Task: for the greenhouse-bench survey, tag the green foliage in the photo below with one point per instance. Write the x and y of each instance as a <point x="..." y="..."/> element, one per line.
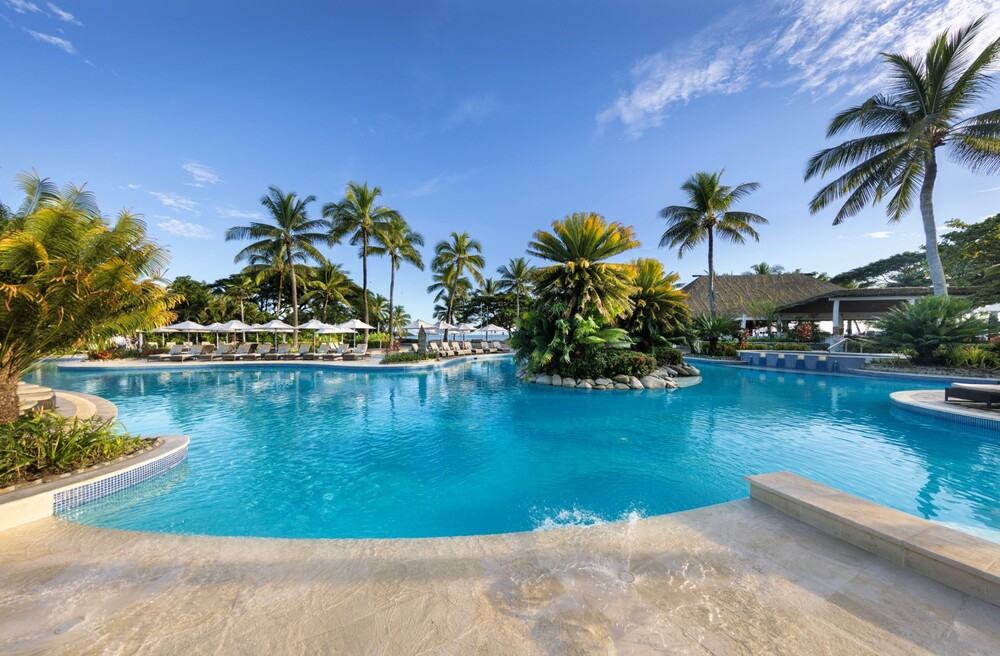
<point x="604" y="363"/>
<point x="47" y="443"/>
<point x="455" y="261"/>
<point x="908" y="269"/>
<point x="397" y="358"/>
<point x="543" y="337"/>
<point x="972" y="357"/>
<point x="381" y="338"/>
<point x="668" y="355"/>
<point x="926" y="326"/>
<point x="714" y="329"/>
<point x="659" y="307"/>
<point x="122" y="353"/>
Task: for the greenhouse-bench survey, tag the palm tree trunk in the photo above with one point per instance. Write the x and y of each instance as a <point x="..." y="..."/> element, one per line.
<point x="10" y="405"/>
<point x="930" y="230"/>
<point x="711" y="271"/>
<point x="392" y="287"/>
<point x="242" y="318"/>
<point x="295" y="305"/>
<point x="364" y="279"/>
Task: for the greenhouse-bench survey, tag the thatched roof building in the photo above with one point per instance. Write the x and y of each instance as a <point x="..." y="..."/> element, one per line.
<point x="744" y="295"/>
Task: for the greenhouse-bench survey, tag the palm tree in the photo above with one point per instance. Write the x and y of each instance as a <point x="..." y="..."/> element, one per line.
<point x="515" y="278"/>
<point x="708" y="215"/>
<point x="293" y="235"/>
<point x="765" y="269"/>
<point x="453" y="259"/>
<point x="242" y="288"/>
<point x="396" y="240"/>
<point x="400" y="317"/>
<point x="379" y="307"/>
<point x="358" y="216"/>
<point x="71" y="276"/>
<point x="487" y="294"/>
<point x="580" y="279"/>
<point x="330" y="285"/>
<point x="922" y="111"/>
<point x="659" y="306"/>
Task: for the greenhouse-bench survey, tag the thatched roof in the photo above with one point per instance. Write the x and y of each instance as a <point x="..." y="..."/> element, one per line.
<point x="736" y="296"/>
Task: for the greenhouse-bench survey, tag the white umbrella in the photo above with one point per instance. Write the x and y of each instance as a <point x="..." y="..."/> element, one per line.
<point x="444" y="325"/>
<point x="186" y="327"/>
<point x="313" y="324"/>
<point x="356" y="324"/>
<point x="464" y="328"/>
<point x="418" y="324"/>
<point x="492" y="328"/>
<point x="276" y="326"/>
<point x="335" y="330"/>
<point x="235" y="326"/>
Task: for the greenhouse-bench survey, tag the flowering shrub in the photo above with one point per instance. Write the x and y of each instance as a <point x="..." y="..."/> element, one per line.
<point x="604" y="363"/>
<point x="122" y="353"/>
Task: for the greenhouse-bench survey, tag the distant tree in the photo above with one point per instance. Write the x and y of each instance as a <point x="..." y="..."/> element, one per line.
<point x="396" y="240"/>
<point x="708" y="214"/>
<point x="515" y="278"/>
<point x="358" y="217"/>
<point x="456" y="259"/>
<point x="291" y="234"/>
<point x="970" y="250"/>
<point x="923" y="110"/>
<point x="197" y="296"/>
<point x="908" y="269"/>
<point x="329" y="287"/>
<point x="400" y="317"/>
<point x="765" y="269"/>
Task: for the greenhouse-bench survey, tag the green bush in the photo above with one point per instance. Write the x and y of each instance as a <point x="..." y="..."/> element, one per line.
<point x="668" y="355"/>
<point x="724" y="350"/>
<point x="928" y="327"/>
<point x="973" y="357"/>
<point x="47" y="443"/>
<point x="604" y="363"/>
<point x="396" y="358"/>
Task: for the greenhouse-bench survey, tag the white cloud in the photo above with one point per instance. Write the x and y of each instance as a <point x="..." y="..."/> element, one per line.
<point x="184" y="229"/>
<point x="201" y="174"/>
<point x="233" y="213"/>
<point x="814" y="46"/>
<point x="985" y="191"/>
<point x="442" y="181"/>
<point x="883" y="234"/>
<point x="132" y="185"/>
<point x="474" y="109"/>
<point x="63" y="15"/>
<point x="23" y="7"/>
<point x="175" y="201"/>
<point x="54" y="40"/>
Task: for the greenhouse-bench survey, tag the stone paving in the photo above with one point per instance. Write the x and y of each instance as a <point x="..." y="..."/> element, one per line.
<point x="737" y="578"/>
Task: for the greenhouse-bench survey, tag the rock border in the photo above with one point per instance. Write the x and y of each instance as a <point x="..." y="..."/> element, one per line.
<point x="664" y="377"/>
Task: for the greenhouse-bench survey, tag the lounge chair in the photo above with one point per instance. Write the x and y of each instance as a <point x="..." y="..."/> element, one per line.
<point x="262" y="351"/>
<point x="334" y="353"/>
<point x="161" y="357"/>
<point x="975" y="392"/>
<point x="434" y="350"/>
<point x="208" y="353"/>
<point x="240" y="353"/>
<point x="454" y="348"/>
<point x="295" y="355"/>
<point x="193" y="353"/>
<point x="477" y="348"/>
<point x="320" y="351"/>
<point x="280" y="354"/>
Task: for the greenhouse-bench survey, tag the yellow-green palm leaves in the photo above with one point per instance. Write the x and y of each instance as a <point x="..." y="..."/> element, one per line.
<point x="659" y="306"/>
<point x="70" y="276"/>
<point x="580" y="280"/>
<point x="902" y="130"/>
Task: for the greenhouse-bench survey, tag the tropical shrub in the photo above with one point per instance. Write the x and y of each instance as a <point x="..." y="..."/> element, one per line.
<point x="545" y="336"/>
<point x="397" y="358"/>
<point x="658" y="306"/>
<point x="714" y="329"/>
<point x="122" y="353"/>
<point x="604" y="363"/>
<point x="973" y="357"/>
<point x="668" y="355"/>
<point x="927" y="325"/>
<point x="47" y="443"/>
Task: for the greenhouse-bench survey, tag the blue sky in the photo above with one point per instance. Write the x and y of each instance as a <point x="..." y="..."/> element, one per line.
<point x="490" y="117"/>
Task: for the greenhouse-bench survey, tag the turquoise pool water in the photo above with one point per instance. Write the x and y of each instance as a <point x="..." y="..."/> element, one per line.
<point x="308" y="452"/>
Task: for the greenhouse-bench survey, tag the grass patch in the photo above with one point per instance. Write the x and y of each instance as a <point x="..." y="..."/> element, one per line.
<point x="46" y="443"/>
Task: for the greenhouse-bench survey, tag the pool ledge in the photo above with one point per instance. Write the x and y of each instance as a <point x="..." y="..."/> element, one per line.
<point x="931" y="403"/>
<point x="956" y="559"/>
<point x="35" y="501"/>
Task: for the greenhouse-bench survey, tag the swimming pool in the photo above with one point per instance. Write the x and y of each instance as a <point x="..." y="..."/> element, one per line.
<point x="322" y="453"/>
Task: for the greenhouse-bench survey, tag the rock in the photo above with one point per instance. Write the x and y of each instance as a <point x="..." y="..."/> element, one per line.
<point x="585" y="385"/>
<point x="568" y="382"/>
<point x="635" y="383"/>
<point x="556" y="380"/>
<point x="602" y="382"/>
<point x="544" y="379"/>
<point x="620" y="378"/>
<point x="668" y="371"/>
<point x="652" y="382"/>
<point x="589" y="381"/>
<point x="694" y="370"/>
<point x="621" y="386"/>
<point x="670" y="383"/>
<point x="533" y="378"/>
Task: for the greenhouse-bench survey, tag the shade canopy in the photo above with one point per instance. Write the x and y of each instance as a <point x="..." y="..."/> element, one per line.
<point x="357" y="324"/>
<point x="465" y="328"/>
<point x="214" y="327"/>
<point x="184" y="327"/>
<point x="493" y="328"/>
<point x="418" y="324"/>
<point x="235" y="326"/>
<point x="444" y="325"/>
<point x="273" y="326"/>
<point x="314" y="324"/>
<point x="335" y="330"/>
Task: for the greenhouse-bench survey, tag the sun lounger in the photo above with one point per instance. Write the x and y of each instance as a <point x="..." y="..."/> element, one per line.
<point x="283" y="350"/>
<point x="262" y="351"/>
<point x="334" y="353"/>
<point x="190" y="355"/>
<point x="160" y="357"/>
<point x="209" y="353"/>
<point x="240" y="353"/>
<point x="321" y="350"/>
<point x="977" y="393"/>
<point x="295" y="355"/>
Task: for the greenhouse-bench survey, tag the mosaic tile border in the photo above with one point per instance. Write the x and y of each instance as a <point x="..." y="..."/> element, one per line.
<point x="978" y="422"/>
<point x="77" y="496"/>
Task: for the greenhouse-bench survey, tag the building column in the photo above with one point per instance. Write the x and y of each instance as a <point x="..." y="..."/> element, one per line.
<point x="838" y="329"/>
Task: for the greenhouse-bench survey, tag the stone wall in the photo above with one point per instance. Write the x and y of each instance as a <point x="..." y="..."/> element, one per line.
<point x="663" y="378"/>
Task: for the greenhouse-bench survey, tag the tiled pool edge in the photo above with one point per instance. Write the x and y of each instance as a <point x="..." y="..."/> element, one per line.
<point x="36" y="502"/>
<point x="959" y="560"/>
<point x="910" y="402"/>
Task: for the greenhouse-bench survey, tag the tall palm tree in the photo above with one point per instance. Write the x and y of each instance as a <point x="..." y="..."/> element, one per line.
<point x="515" y="278"/>
<point x="379" y="307"/>
<point x="922" y="111"/>
<point x="395" y="239"/>
<point x="71" y="276"/>
<point x="329" y="284"/>
<point x="400" y="317"/>
<point x="242" y="288"/>
<point x="659" y="306"/>
<point x="292" y="233"/>
<point x="709" y="214"/>
<point x="487" y="294"/>
<point x="358" y="216"/>
<point x="453" y="259"/>
<point x="581" y="279"/>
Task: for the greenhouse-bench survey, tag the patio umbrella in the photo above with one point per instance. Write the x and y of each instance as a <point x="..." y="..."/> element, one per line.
<point x="356" y="325"/>
<point x="276" y="326"/>
<point x="187" y="327"/>
<point x="315" y="325"/>
<point x="215" y="328"/>
<point x="443" y="327"/>
<point x="464" y="328"/>
<point x="492" y="328"/>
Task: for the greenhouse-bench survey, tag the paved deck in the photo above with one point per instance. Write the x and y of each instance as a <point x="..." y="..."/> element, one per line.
<point x="737" y="578"/>
<point x="932" y="402"/>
